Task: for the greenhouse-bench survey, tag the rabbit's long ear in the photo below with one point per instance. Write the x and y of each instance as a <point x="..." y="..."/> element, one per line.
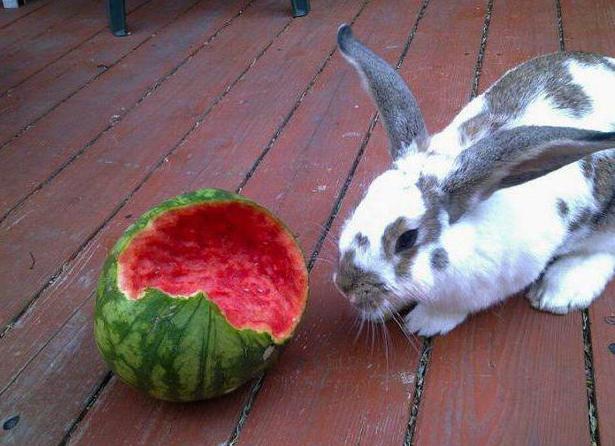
<point x="511" y="157"/>
<point x="398" y="108"/>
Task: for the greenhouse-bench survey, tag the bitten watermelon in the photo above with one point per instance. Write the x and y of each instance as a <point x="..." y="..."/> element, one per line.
<point x="197" y="295"/>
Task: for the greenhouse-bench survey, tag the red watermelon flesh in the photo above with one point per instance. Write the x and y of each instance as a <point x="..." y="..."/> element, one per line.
<point x="239" y="256"/>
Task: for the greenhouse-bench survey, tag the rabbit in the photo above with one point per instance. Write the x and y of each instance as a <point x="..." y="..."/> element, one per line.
<point x="516" y="194"/>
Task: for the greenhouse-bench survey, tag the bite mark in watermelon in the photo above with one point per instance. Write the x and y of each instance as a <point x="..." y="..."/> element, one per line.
<point x="236" y="255"/>
<point x="197" y="294"/>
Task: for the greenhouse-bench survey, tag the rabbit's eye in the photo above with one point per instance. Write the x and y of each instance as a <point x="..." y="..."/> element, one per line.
<point x="406" y="240"/>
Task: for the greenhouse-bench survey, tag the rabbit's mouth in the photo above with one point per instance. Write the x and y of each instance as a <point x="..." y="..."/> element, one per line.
<point x="384" y="308"/>
<point x="390" y="307"/>
<point x="378" y="315"/>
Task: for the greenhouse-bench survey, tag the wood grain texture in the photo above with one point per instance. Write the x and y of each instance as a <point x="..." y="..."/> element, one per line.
<point x="8" y="16"/>
<point x="27" y="56"/>
<point x="507" y="376"/>
<point x="25" y="104"/>
<point x="56" y="221"/>
<point x="56" y="386"/>
<point x="510" y="375"/>
<point x="589" y="28"/>
<point x="277" y="76"/>
<point x="36" y="24"/>
<point x="328" y="390"/>
<point x="55" y="141"/>
<point x="593" y="29"/>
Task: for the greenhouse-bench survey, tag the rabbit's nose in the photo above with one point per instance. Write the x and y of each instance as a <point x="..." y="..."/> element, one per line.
<point x="352" y="298"/>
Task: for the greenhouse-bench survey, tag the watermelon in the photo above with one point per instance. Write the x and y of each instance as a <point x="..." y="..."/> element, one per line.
<point x="197" y="296"/>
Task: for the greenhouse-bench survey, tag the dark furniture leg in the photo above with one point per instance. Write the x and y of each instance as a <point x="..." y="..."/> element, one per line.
<point x="117" y="17"/>
<point x="117" y="14"/>
<point x="300" y="7"/>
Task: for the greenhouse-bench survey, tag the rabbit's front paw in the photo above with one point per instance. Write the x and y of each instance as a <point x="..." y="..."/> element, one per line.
<point x="571" y="283"/>
<point x="427" y="321"/>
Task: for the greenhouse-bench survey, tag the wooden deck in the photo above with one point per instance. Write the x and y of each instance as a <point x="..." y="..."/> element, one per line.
<point x="236" y="94"/>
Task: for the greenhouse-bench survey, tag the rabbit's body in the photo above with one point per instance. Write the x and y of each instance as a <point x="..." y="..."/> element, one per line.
<point x="563" y="213"/>
<point x="445" y="228"/>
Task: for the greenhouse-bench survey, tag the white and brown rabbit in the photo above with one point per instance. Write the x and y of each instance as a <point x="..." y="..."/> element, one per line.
<point x="511" y="194"/>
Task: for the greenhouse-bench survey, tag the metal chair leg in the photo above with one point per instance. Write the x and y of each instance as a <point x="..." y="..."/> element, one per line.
<point x="116" y="10"/>
<point x="11" y="4"/>
<point x="300" y="7"/>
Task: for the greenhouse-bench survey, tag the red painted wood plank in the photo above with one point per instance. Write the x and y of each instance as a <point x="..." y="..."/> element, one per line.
<point x="510" y="375"/>
<point x="507" y="376"/>
<point x="327" y="390"/>
<point x="92" y="187"/>
<point x="589" y="26"/>
<point x="39" y="22"/>
<point x="45" y="401"/>
<point x="36" y="96"/>
<point x="27" y="56"/>
<point x="9" y="16"/>
<point x="55" y="140"/>
<point x="276" y="80"/>
<point x="592" y="28"/>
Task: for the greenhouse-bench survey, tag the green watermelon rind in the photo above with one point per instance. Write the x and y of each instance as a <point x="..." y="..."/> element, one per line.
<point x="193" y="352"/>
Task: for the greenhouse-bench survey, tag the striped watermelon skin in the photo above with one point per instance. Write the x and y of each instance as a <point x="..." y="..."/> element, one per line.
<point x="176" y="349"/>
